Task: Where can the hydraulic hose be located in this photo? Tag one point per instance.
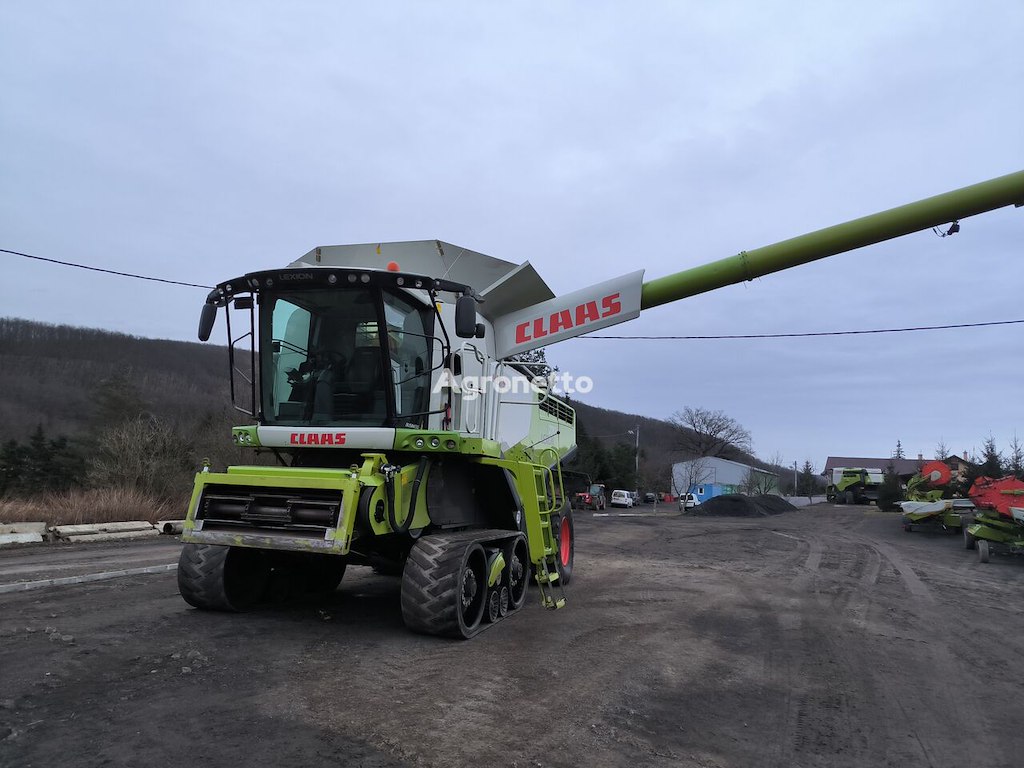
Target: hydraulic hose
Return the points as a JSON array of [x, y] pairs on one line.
[[420, 472]]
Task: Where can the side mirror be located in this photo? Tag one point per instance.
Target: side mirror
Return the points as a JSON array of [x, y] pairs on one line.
[[465, 317], [206, 320]]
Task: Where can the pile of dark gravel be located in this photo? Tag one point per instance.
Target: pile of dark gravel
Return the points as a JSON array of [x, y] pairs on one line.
[[737, 505]]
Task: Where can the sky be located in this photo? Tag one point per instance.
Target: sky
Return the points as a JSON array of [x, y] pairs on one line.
[[195, 141]]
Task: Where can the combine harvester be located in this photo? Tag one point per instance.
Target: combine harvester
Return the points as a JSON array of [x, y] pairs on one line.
[[382, 378], [925, 506], [999, 525], [854, 485]]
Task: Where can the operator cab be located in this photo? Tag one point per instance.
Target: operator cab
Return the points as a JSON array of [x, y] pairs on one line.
[[345, 356], [336, 347]]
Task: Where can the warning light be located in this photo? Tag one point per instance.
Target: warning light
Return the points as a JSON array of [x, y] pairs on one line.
[[392, 266]]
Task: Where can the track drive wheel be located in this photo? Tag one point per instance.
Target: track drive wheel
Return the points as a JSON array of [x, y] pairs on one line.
[[565, 536], [444, 587], [218, 578], [517, 573], [969, 539], [983, 551]]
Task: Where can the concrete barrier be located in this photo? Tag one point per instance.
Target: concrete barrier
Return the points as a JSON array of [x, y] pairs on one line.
[[20, 538], [113, 536], [39, 528], [87, 529]]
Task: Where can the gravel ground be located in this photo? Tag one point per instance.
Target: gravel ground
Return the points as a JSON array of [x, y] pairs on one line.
[[820, 637]]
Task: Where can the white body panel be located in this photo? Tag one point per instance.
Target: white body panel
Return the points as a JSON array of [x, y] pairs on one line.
[[563, 317], [367, 438]]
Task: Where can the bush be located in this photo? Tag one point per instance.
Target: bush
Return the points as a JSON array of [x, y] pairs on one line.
[[890, 492]]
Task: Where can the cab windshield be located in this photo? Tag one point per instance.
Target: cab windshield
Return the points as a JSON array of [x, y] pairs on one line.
[[353, 356]]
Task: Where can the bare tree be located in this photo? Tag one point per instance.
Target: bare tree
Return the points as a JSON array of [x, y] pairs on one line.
[[941, 451], [693, 472], [703, 432], [757, 482]]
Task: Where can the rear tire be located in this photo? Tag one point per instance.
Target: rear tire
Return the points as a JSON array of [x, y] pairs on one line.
[[983, 551], [850, 498], [565, 535], [969, 540], [217, 578]]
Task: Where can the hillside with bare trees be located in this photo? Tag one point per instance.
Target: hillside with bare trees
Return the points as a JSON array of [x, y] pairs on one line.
[[91, 410]]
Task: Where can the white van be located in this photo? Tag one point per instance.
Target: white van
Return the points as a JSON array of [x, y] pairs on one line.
[[688, 501], [622, 499]]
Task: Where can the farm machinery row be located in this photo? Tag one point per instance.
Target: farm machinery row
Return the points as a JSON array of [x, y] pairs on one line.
[[383, 379], [990, 519]]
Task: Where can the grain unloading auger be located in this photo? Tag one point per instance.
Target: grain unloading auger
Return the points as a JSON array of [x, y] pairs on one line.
[[381, 378]]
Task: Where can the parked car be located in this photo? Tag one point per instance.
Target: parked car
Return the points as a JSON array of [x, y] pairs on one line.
[[688, 501], [650, 498], [622, 499]]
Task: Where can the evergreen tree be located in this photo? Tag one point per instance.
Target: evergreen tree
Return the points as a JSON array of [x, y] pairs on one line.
[[1015, 464], [992, 464], [891, 490], [38, 463], [807, 482], [898, 453], [12, 467]]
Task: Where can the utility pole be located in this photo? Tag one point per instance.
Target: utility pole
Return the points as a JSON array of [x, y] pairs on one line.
[[794, 478], [636, 457]]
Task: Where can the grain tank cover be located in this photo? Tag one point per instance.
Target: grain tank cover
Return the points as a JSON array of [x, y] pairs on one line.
[[503, 286]]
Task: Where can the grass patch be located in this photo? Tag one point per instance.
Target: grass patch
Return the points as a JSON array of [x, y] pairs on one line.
[[93, 505]]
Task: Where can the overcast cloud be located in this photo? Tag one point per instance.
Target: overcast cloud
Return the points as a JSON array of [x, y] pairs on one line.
[[197, 140]]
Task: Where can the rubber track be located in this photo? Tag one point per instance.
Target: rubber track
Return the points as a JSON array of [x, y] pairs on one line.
[[201, 576], [430, 581]]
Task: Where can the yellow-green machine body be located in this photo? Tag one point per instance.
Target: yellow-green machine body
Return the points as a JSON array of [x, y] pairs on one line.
[[387, 382]]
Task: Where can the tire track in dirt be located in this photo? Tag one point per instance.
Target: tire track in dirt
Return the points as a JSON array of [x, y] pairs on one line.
[[914, 660]]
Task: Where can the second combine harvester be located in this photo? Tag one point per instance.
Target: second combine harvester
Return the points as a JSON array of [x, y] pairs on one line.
[[382, 378]]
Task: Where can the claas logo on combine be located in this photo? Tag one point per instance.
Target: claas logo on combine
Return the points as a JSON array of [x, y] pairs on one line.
[[567, 319], [318, 438]]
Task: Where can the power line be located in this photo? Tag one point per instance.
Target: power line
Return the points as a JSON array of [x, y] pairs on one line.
[[586, 336], [816, 333], [106, 271]]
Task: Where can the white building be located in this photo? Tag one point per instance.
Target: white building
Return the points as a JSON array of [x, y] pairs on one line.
[[709, 477]]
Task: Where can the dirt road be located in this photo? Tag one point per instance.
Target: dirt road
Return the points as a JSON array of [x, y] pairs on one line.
[[824, 637]]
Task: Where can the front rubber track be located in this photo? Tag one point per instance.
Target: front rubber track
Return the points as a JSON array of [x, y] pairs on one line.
[[217, 578], [431, 584]]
